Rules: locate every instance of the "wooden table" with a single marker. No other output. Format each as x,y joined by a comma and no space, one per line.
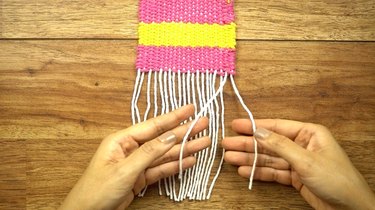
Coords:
67,72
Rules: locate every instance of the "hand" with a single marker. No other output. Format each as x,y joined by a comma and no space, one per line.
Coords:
303,155
132,158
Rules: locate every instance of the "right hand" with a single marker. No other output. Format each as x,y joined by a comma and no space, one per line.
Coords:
303,155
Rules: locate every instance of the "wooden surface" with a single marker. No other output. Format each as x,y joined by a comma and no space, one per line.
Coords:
256,19
67,73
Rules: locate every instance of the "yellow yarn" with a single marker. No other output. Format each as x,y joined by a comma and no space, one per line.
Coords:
187,34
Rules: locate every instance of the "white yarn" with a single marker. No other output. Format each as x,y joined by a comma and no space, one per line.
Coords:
142,193
188,75
166,96
186,99
211,135
194,122
148,96
187,178
196,155
199,156
156,113
156,94
161,92
194,181
172,189
163,108
253,127
215,126
174,91
134,95
179,88
169,99
183,90
197,187
222,137
170,88
137,97
134,106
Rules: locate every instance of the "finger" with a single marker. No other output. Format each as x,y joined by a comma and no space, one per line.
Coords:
168,169
128,144
298,158
243,143
190,148
246,159
266,174
139,184
141,158
181,130
127,200
156,126
286,128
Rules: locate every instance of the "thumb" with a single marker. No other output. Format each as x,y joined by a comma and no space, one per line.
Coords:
283,146
141,158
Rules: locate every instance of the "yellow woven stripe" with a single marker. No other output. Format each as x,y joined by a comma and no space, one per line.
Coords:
187,34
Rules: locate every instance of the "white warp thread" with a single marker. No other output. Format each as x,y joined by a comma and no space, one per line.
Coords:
222,137
194,181
253,127
148,95
137,97
194,122
134,95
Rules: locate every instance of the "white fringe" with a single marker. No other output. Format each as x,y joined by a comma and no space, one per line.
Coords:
222,137
253,127
194,122
136,84
199,89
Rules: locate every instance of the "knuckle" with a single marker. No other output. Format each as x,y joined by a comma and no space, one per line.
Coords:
161,174
268,161
278,140
226,157
158,126
316,127
275,175
177,117
148,148
322,128
166,158
275,124
249,159
128,146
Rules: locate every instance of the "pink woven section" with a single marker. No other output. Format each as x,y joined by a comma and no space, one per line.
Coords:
203,59
193,11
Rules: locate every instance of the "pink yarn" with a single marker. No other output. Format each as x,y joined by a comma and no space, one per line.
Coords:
153,58
193,11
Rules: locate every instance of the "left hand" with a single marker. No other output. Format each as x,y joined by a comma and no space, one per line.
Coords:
130,159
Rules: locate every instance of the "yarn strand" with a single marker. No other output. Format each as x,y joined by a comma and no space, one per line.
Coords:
195,122
253,127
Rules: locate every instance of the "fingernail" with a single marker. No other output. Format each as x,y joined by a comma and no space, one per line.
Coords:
167,137
261,134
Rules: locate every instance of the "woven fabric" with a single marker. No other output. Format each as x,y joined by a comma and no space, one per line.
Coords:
187,11
186,35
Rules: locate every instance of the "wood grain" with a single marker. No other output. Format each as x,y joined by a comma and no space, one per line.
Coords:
256,19
59,98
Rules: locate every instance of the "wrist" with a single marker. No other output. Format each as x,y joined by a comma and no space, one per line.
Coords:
80,198
368,201
363,200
